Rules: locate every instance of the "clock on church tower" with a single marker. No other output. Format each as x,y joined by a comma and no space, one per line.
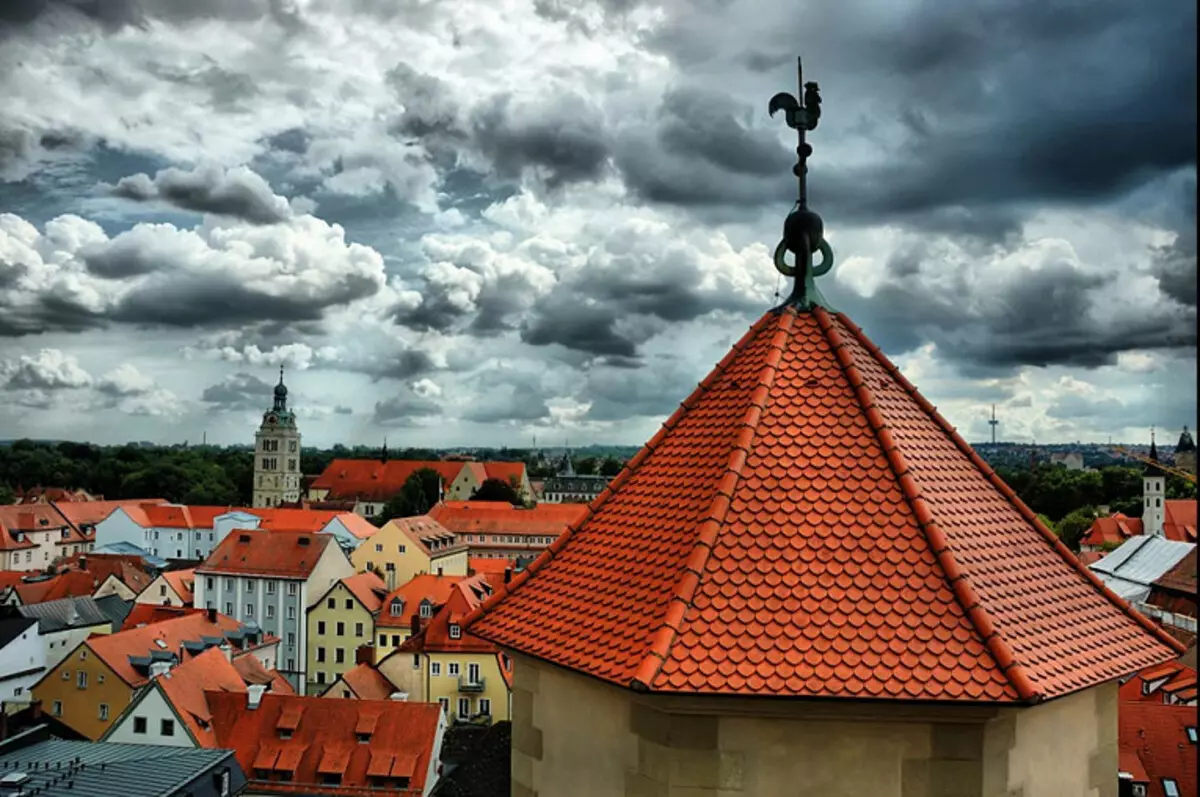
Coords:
277,453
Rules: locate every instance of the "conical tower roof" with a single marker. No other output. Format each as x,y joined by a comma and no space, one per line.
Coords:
807,524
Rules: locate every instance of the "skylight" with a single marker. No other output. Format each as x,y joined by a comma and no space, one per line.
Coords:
160,644
1191,733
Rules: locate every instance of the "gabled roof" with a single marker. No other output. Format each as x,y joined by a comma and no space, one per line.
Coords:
184,689
511,472
1156,735
357,525
150,613
425,533
465,597
183,582
89,513
128,569
1181,577
375,480
25,519
1132,568
278,554
175,516
367,683
165,638
1179,519
13,626
435,589
807,524
498,517
67,613
367,588
1112,530
74,583
253,672
294,519
324,739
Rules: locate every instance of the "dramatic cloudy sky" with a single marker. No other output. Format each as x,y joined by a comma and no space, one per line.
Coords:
474,221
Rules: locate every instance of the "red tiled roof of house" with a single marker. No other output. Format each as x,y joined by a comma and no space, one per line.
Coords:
1179,520
488,565
368,588
368,683
1157,736
511,472
25,519
183,582
282,554
806,524
375,480
358,525
73,584
294,519
1181,577
166,636
252,671
184,688
142,614
498,517
127,568
465,597
176,516
435,589
89,513
325,741
1111,530
10,578
425,532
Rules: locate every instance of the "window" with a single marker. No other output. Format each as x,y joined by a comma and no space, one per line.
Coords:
452,668
341,629
249,584
485,706
66,674
378,547
139,724
331,603
358,629
162,590
270,612
427,609
339,655
56,708
395,640
291,612
444,702
435,668
1191,734
464,707
402,549
320,654
455,631
103,712
382,640
229,584
291,665
349,603
208,582
293,588
83,655
166,727
100,678
1170,787
397,607
320,628
229,608
320,676
416,661
81,680
249,609
270,587
291,639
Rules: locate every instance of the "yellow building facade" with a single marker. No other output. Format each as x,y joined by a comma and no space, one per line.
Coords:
408,547
84,693
341,622
466,684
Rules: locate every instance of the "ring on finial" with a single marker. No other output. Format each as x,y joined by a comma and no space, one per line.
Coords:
817,270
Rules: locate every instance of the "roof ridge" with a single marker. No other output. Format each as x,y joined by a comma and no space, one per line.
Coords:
994,479
626,472
960,584
711,523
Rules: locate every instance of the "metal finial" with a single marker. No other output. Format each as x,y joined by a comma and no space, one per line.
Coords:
803,230
281,373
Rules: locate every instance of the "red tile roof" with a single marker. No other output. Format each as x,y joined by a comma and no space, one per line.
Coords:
127,568
167,636
375,480
324,739
279,554
367,683
26,519
368,588
252,671
177,516
806,524
465,597
426,533
1179,520
184,687
435,589
358,525
1181,577
294,519
89,513
498,517
1111,530
1159,684
183,582
488,565
150,613
74,584
511,472
1156,735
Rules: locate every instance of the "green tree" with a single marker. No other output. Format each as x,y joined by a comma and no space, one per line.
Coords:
418,495
610,466
586,466
6,494
496,490
1076,523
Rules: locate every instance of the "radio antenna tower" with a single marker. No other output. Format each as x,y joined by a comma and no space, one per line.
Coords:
993,423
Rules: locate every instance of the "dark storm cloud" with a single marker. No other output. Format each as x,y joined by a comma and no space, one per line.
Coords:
116,14
581,327
1175,268
404,409
562,139
240,391
961,116
508,397
235,192
1058,314
429,108
405,364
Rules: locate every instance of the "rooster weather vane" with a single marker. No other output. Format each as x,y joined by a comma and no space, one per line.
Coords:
803,230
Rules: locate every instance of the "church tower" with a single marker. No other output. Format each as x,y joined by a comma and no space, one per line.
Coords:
1154,492
277,453
1185,452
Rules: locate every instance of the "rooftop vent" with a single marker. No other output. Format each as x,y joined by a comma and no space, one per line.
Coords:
303,541
254,694
243,538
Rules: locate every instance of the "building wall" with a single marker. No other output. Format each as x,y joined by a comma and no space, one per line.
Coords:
58,644
119,527
1153,511
22,664
323,673
343,535
154,709
396,556
463,487
114,586
277,605
81,706
159,592
645,745
413,674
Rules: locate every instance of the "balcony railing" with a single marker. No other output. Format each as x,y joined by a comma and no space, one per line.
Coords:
468,684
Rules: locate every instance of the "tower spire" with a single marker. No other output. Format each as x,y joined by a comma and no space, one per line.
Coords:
803,230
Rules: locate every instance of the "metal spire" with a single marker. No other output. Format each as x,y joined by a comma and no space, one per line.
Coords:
803,230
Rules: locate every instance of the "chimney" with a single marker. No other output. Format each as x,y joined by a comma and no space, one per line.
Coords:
365,654
212,614
254,694
507,574
416,623
158,668
226,651
83,563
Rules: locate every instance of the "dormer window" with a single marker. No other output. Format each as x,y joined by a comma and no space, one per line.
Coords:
426,609
397,607
1191,734
455,631
285,734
